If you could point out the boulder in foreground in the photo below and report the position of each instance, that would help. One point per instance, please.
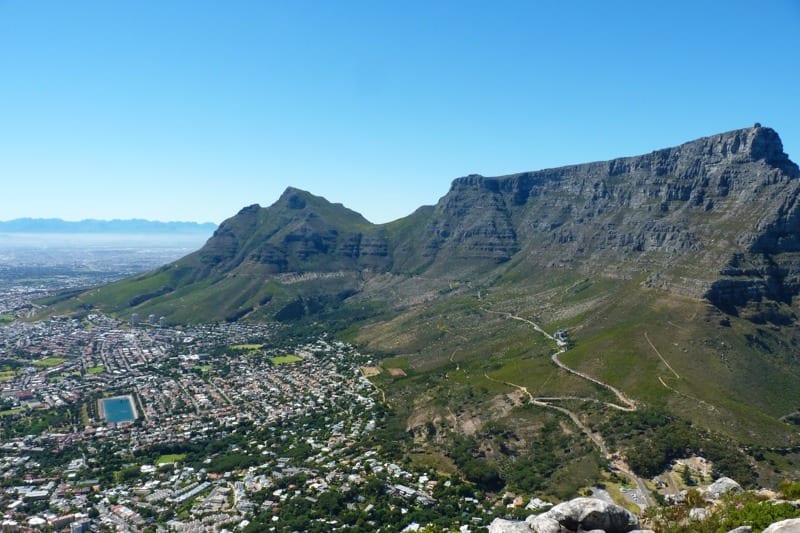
(580, 514)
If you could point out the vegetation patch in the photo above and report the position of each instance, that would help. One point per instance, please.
(733, 511)
(170, 458)
(49, 362)
(244, 349)
(434, 460)
(247, 347)
(7, 375)
(232, 461)
(6, 318)
(96, 369)
(652, 439)
(396, 362)
(285, 359)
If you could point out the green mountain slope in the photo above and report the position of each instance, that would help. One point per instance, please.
(675, 273)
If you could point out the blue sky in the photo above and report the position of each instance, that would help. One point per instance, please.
(190, 110)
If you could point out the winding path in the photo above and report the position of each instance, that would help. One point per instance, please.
(542, 403)
(377, 389)
(629, 406)
(615, 463)
(704, 403)
(660, 356)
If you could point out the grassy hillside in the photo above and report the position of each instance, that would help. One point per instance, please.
(454, 368)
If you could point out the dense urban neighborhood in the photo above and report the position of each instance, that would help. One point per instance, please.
(229, 430)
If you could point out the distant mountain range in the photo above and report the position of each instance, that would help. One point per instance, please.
(136, 225)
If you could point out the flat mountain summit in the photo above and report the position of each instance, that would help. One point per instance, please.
(716, 218)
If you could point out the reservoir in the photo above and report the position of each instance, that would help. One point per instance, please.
(118, 409)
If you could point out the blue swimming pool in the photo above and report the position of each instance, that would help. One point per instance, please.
(118, 409)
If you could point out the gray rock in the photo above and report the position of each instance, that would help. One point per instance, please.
(500, 525)
(544, 524)
(586, 514)
(698, 514)
(537, 505)
(722, 486)
(792, 525)
(742, 529)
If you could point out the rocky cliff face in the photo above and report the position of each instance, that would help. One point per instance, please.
(715, 217)
(718, 217)
(473, 222)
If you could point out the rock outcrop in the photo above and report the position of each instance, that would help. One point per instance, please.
(580, 514)
(792, 525)
(722, 210)
(591, 515)
(720, 487)
(501, 525)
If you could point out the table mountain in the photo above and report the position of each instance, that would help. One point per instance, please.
(717, 217)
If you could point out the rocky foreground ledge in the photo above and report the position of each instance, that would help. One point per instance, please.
(591, 515)
(580, 514)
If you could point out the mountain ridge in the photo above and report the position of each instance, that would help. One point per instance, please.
(697, 219)
(91, 225)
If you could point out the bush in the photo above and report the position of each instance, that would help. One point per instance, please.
(789, 490)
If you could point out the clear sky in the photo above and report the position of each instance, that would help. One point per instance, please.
(190, 109)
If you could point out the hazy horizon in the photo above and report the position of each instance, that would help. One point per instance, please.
(89, 219)
(99, 240)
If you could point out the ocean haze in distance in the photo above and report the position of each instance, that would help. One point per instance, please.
(55, 261)
(44, 242)
(131, 226)
(115, 248)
